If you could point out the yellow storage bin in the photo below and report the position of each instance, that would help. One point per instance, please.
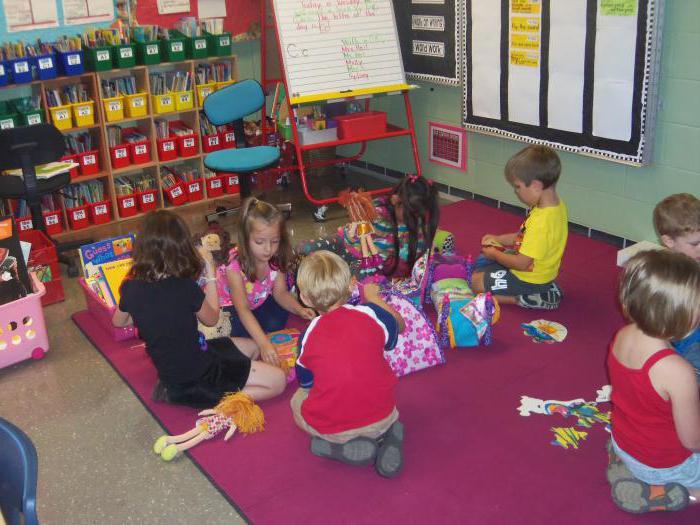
(114, 108)
(62, 117)
(203, 91)
(84, 113)
(184, 100)
(136, 105)
(163, 103)
(222, 85)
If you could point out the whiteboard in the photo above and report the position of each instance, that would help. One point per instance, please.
(577, 75)
(338, 48)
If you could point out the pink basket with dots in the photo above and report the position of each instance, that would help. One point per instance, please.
(22, 328)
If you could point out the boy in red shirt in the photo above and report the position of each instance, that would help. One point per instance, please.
(346, 401)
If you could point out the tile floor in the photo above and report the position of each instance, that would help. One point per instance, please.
(92, 434)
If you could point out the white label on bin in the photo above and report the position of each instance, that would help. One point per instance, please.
(84, 111)
(148, 198)
(33, 119)
(25, 225)
(126, 52)
(21, 67)
(176, 47)
(61, 114)
(166, 100)
(200, 44)
(140, 149)
(152, 49)
(205, 92)
(233, 180)
(45, 63)
(184, 97)
(194, 187)
(176, 192)
(230, 137)
(101, 56)
(168, 146)
(128, 203)
(115, 105)
(7, 123)
(120, 153)
(213, 140)
(89, 159)
(101, 209)
(138, 102)
(224, 41)
(188, 143)
(215, 183)
(51, 220)
(78, 215)
(73, 60)
(2, 70)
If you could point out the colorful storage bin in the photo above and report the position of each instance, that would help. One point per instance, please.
(89, 162)
(147, 200)
(203, 91)
(84, 113)
(219, 45)
(21, 69)
(136, 105)
(163, 103)
(99, 58)
(124, 55)
(46, 66)
(126, 204)
(71, 63)
(62, 116)
(184, 100)
(167, 148)
(176, 194)
(215, 186)
(114, 108)
(195, 190)
(78, 217)
(148, 53)
(100, 212)
(119, 156)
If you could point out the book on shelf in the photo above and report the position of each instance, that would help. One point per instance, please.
(114, 273)
(46, 171)
(113, 249)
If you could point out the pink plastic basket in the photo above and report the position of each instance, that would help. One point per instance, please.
(24, 336)
(103, 315)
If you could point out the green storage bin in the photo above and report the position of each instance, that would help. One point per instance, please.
(219, 45)
(98, 58)
(8, 117)
(197, 47)
(26, 116)
(173, 50)
(124, 55)
(148, 52)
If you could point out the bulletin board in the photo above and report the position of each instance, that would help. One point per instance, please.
(577, 75)
(431, 35)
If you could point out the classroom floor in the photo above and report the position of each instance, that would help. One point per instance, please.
(94, 437)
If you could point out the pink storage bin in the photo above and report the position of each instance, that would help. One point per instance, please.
(24, 336)
(102, 314)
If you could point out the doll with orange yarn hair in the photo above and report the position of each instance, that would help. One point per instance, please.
(362, 213)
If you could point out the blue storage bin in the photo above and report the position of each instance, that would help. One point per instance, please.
(4, 73)
(71, 63)
(46, 66)
(21, 70)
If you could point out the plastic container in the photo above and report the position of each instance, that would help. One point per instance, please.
(78, 217)
(227, 139)
(357, 125)
(187, 145)
(100, 212)
(219, 45)
(8, 117)
(4, 73)
(73, 171)
(147, 200)
(136, 105)
(203, 91)
(119, 156)
(167, 148)
(124, 55)
(43, 256)
(99, 58)
(30, 118)
(29, 339)
(71, 63)
(62, 116)
(114, 108)
(89, 162)
(148, 53)
(46, 67)
(163, 103)
(24, 224)
(126, 204)
(54, 292)
(232, 184)
(140, 152)
(196, 47)
(176, 194)
(184, 100)
(215, 186)
(102, 315)
(173, 49)
(225, 83)
(211, 142)
(84, 113)
(53, 222)
(21, 69)
(195, 190)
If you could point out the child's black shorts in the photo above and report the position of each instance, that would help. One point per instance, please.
(499, 280)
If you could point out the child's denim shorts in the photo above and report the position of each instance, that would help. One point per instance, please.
(687, 473)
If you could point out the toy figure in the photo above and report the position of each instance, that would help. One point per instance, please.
(234, 412)
(362, 212)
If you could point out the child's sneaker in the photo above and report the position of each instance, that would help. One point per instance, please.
(616, 470)
(637, 497)
(390, 455)
(548, 300)
(358, 451)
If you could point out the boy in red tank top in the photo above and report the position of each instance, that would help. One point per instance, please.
(656, 405)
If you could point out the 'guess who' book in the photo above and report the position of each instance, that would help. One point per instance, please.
(100, 252)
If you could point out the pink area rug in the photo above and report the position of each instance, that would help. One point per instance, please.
(469, 456)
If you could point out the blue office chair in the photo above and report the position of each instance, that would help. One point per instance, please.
(229, 106)
(18, 475)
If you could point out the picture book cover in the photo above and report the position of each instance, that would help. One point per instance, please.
(14, 277)
(97, 253)
(114, 273)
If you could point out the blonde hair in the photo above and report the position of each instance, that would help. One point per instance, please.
(257, 210)
(324, 279)
(660, 292)
(534, 163)
(677, 215)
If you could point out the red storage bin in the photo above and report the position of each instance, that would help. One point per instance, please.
(356, 125)
(119, 156)
(187, 145)
(176, 194)
(140, 152)
(78, 217)
(167, 148)
(24, 223)
(54, 292)
(126, 204)
(232, 183)
(211, 142)
(100, 212)
(53, 222)
(72, 158)
(43, 254)
(147, 200)
(195, 190)
(227, 139)
(89, 162)
(215, 186)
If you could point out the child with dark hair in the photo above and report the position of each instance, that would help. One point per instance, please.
(162, 298)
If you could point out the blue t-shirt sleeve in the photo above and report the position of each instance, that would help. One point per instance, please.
(392, 327)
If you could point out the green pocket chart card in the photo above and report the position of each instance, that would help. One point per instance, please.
(338, 48)
(577, 75)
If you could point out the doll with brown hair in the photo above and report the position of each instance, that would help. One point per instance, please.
(216, 241)
(362, 212)
(235, 411)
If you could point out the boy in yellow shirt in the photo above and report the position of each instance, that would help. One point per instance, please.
(522, 266)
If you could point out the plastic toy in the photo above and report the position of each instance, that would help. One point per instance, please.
(543, 331)
(234, 412)
(286, 342)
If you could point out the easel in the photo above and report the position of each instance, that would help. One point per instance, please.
(270, 37)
